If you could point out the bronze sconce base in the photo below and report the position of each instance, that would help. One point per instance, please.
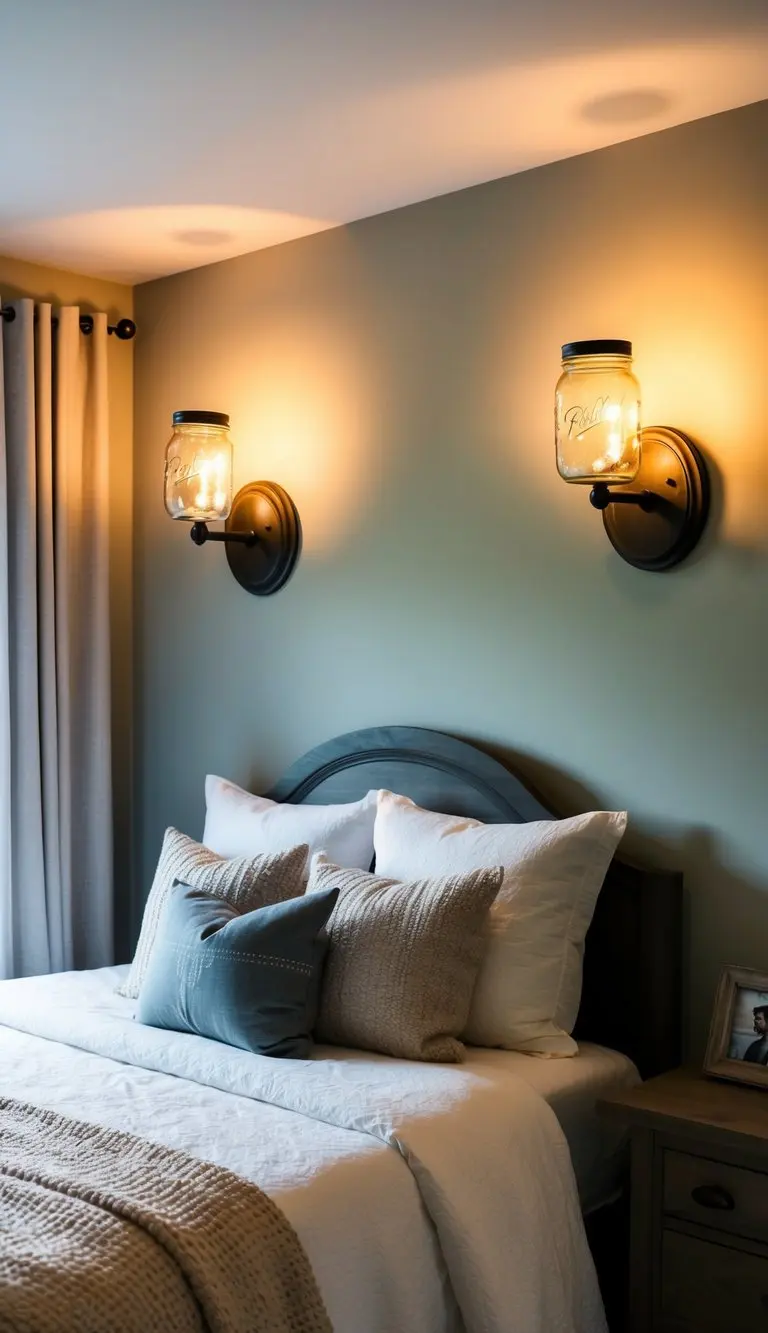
(656, 521)
(262, 535)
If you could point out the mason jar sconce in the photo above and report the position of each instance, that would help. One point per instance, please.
(262, 530)
(650, 483)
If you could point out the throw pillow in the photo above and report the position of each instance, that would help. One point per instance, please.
(239, 824)
(529, 984)
(248, 980)
(402, 959)
(245, 882)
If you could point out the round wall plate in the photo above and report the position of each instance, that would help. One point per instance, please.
(265, 508)
(674, 470)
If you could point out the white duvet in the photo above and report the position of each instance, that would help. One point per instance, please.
(428, 1198)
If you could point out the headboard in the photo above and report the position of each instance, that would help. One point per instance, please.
(632, 996)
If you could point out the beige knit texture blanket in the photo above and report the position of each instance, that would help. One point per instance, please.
(101, 1232)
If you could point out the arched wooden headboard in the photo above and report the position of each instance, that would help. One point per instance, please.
(632, 996)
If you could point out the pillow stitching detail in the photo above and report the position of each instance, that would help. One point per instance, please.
(183, 861)
(240, 956)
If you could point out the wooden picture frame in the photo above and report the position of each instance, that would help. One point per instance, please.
(733, 1051)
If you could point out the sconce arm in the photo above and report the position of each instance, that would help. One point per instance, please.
(201, 533)
(600, 497)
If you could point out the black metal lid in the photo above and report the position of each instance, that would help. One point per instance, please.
(201, 419)
(598, 347)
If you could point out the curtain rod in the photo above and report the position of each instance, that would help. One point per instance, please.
(124, 329)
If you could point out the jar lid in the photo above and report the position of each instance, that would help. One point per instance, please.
(597, 347)
(201, 419)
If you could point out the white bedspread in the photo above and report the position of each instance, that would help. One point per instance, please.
(409, 1185)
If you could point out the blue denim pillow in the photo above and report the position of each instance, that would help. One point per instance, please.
(251, 981)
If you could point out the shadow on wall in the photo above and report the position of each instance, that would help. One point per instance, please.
(623, 108)
(749, 548)
(746, 553)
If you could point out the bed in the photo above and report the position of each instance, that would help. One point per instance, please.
(427, 1198)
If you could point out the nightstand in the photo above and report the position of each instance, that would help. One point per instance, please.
(699, 1204)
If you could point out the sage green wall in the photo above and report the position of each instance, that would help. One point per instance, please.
(20, 278)
(396, 376)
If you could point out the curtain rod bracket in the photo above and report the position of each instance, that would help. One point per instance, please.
(124, 329)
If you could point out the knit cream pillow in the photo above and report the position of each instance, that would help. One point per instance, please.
(245, 882)
(402, 960)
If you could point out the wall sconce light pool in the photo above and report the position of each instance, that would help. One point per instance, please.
(262, 529)
(650, 483)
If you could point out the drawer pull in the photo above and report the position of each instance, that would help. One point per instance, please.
(713, 1196)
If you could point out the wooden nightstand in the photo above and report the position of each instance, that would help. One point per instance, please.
(699, 1204)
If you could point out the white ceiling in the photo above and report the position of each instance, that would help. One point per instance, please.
(142, 137)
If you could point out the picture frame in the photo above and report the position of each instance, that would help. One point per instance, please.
(738, 1034)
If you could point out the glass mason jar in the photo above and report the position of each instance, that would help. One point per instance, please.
(597, 413)
(198, 467)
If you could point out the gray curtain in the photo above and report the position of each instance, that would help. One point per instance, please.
(55, 766)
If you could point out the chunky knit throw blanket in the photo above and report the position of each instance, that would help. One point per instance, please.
(101, 1231)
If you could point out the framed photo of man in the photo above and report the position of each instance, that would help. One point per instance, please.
(738, 1036)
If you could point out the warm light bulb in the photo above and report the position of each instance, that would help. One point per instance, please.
(202, 499)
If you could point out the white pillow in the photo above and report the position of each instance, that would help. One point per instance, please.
(239, 824)
(529, 984)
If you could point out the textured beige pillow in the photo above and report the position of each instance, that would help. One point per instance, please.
(402, 960)
(246, 882)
